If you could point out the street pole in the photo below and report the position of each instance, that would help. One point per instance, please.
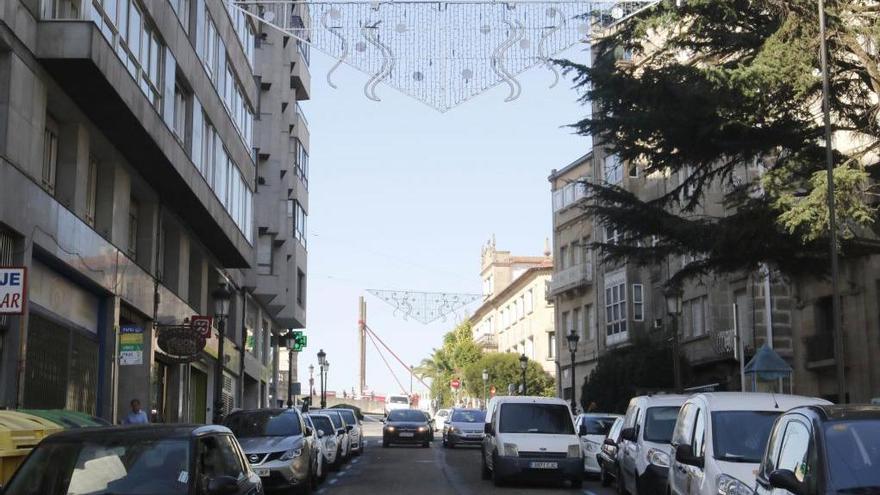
(676, 361)
(524, 364)
(832, 220)
(289, 374)
(218, 372)
(573, 385)
(411, 370)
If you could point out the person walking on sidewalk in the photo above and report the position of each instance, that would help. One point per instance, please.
(137, 416)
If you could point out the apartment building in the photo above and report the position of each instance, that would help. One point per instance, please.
(516, 315)
(132, 186)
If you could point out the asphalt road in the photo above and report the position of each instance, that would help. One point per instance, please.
(436, 471)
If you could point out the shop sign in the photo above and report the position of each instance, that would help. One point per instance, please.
(131, 345)
(202, 325)
(181, 343)
(13, 290)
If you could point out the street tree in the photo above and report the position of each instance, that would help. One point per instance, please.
(449, 362)
(713, 87)
(504, 369)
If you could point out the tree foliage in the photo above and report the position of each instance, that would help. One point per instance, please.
(717, 85)
(504, 369)
(450, 361)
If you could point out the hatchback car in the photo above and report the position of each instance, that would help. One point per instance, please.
(137, 460)
(324, 432)
(343, 438)
(823, 449)
(592, 429)
(464, 427)
(607, 457)
(317, 449)
(353, 424)
(278, 445)
(406, 426)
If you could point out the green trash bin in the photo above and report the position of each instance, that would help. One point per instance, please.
(67, 419)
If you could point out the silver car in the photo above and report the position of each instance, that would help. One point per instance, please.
(354, 432)
(343, 439)
(464, 427)
(326, 438)
(278, 445)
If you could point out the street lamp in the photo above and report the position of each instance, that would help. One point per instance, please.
(322, 360)
(311, 381)
(523, 364)
(674, 296)
(290, 369)
(485, 384)
(573, 338)
(326, 383)
(221, 296)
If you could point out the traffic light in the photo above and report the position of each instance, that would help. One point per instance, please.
(299, 341)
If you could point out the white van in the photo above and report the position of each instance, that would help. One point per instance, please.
(396, 402)
(720, 437)
(531, 438)
(645, 443)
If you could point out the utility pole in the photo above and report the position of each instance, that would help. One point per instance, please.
(411, 371)
(362, 343)
(832, 220)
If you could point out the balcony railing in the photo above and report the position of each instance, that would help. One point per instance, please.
(571, 278)
(820, 347)
(487, 341)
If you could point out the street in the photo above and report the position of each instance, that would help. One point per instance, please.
(408, 470)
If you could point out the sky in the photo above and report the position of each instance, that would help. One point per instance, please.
(403, 197)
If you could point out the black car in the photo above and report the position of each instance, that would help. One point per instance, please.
(137, 460)
(823, 449)
(607, 455)
(406, 426)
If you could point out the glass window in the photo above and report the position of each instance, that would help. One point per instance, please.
(264, 423)
(551, 345)
(772, 454)
(133, 214)
(660, 423)
(588, 323)
(348, 415)
(598, 426)
(530, 301)
(741, 436)
(563, 257)
(615, 308)
(613, 169)
(577, 322)
(638, 302)
(468, 416)
(179, 111)
(91, 191)
(795, 448)
(406, 415)
(684, 425)
(322, 423)
(612, 235)
(699, 442)
(853, 453)
(535, 418)
(50, 155)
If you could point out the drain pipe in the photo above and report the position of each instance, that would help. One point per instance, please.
(768, 305)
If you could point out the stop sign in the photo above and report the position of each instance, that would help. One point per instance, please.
(455, 383)
(492, 390)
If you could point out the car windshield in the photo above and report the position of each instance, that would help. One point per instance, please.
(398, 399)
(599, 426)
(741, 436)
(536, 418)
(468, 417)
(266, 423)
(853, 452)
(407, 415)
(112, 466)
(659, 423)
(336, 419)
(349, 416)
(323, 423)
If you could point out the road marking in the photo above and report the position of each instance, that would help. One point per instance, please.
(588, 492)
(333, 481)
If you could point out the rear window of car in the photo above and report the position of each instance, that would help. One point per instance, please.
(552, 419)
(660, 423)
(407, 415)
(349, 416)
(265, 423)
(599, 426)
(335, 418)
(468, 417)
(398, 399)
(322, 423)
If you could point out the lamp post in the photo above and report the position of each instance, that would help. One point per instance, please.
(832, 214)
(290, 369)
(221, 296)
(673, 307)
(326, 384)
(523, 364)
(485, 384)
(573, 338)
(311, 381)
(322, 359)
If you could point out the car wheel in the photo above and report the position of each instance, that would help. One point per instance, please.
(485, 473)
(496, 478)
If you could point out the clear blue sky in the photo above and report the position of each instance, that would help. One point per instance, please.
(403, 197)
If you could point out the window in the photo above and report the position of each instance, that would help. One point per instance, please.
(612, 235)
(301, 166)
(299, 222)
(181, 7)
(633, 171)
(50, 154)
(615, 307)
(588, 323)
(586, 251)
(638, 301)
(565, 323)
(264, 255)
(530, 301)
(551, 345)
(613, 169)
(795, 448)
(535, 419)
(576, 323)
(180, 98)
(133, 213)
(301, 288)
(209, 50)
(694, 316)
(91, 191)
(521, 306)
(700, 435)
(563, 257)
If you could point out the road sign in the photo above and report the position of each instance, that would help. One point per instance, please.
(202, 325)
(455, 383)
(295, 388)
(13, 290)
(131, 345)
(299, 341)
(492, 391)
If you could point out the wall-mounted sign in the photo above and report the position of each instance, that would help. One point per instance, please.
(202, 325)
(131, 345)
(181, 343)
(13, 290)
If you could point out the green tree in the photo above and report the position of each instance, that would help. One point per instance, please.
(450, 361)
(504, 369)
(748, 89)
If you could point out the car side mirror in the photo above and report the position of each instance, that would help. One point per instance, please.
(609, 442)
(582, 431)
(308, 431)
(628, 434)
(487, 429)
(223, 485)
(349, 427)
(684, 454)
(320, 433)
(786, 480)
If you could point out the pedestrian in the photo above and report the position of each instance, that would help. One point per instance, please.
(137, 416)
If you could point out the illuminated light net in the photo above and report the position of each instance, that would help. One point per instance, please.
(442, 53)
(424, 307)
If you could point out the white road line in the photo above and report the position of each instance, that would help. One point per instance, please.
(333, 481)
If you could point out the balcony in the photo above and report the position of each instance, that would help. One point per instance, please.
(571, 278)
(487, 341)
(820, 351)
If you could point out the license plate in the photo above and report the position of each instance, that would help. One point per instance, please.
(407, 435)
(544, 465)
(262, 472)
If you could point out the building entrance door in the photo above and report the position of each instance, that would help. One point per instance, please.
(199, 395)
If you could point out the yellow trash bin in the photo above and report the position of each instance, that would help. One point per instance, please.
(19, 434)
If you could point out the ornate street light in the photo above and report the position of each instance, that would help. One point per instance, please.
(524, 364)
(326, 372)
(673, 296)
(221, 296)
(311, 381)
(573, 338)
(485, 384)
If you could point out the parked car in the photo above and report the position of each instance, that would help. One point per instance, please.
(592, 429)
(531, 438)
(317, 449)
(353, 425)
(431, 426)
(465, 427)
(278, 445)
(406, 426)
(326, 438)
(343, 439)
(822, 449)
(645, 443)
(608, 458)
(395, 402)
(141, 460)
(719, 440)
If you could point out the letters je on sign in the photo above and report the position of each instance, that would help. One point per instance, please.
(10, 279)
